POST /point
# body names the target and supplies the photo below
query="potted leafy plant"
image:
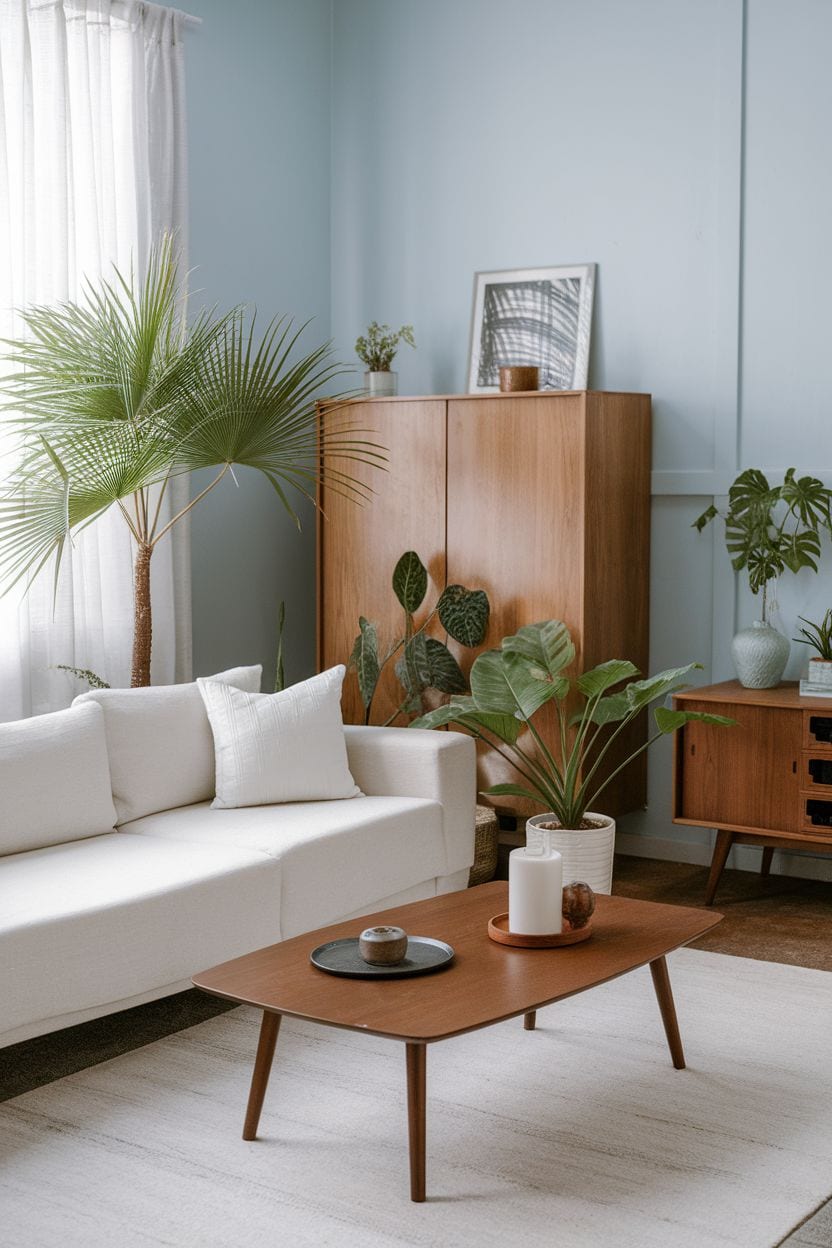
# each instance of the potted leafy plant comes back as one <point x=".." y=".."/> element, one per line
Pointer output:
<point x="510" y="685"/>
<point x="115" y="397"/>
<point x="819" y="637"/>
<point x="377" y="349"/>
<point x="423" y="662"/>
<point x="770" y="529"/>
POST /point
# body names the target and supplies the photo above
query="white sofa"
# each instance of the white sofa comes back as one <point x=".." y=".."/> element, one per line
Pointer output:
<point x="118" y="882"/>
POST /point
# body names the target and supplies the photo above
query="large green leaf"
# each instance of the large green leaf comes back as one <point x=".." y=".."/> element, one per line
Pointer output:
<point x="609" y="710"/>
<point x="445" y="673"/>
<point x="489" y="685"/>
<point x="668" y="720"/>
<point x="410" y="581"/>
<point x="462" y="711"/>
<point x="642" y="692"/>
<point x="547" y="644"/>
<point x="464" y="614"/>
<point x="604" y="676"/>
<point x="364" y="659"/>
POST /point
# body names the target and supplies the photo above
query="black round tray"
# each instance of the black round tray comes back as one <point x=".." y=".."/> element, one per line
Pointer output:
<point x="341" y="957"/>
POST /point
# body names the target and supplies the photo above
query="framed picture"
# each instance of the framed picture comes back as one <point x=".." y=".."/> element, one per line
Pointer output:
<point x="532" y="316"/>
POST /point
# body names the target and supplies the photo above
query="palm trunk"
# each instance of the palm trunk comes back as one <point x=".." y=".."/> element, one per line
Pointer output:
<point x="142" y="631"/>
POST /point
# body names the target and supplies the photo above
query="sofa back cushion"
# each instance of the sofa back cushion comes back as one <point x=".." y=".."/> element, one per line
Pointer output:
<point x="279" y="747"/>
<point x="160" y="744"/>
<point x="54" y="780"/>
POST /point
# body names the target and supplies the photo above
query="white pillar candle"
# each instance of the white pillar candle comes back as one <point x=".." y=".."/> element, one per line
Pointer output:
<point x="535" y="892"/>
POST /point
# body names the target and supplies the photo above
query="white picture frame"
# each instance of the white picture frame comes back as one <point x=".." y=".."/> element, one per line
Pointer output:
<point x="539" y="317"/>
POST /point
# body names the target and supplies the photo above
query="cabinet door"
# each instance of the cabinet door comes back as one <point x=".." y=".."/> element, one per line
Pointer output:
<point x="746" y="776"/>
<point x="359" y="545"/>
<point x="516" y="525"/>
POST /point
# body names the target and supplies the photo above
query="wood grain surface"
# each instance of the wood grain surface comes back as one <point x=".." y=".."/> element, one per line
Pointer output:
<point x="485" y="983"/>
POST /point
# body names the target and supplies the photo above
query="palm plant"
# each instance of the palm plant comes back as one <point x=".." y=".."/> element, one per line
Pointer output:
<point x="115" y="396"/>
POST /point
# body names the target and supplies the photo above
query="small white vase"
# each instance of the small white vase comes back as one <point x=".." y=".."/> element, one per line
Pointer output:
<point x="587" y="852"/>
<point x="381" y="384"/>
<point x="760" y="655"/>
<point x="820" y="673"/>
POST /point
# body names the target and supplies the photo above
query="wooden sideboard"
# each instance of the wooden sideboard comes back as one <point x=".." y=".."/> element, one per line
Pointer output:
<point x="542" y="499"/>
<point x="766" y="781"/>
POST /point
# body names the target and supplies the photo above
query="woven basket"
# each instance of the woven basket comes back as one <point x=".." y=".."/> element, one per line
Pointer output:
<point x="485" y="847"/>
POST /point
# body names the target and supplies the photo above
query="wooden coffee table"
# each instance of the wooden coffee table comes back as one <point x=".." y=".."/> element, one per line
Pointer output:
<point x="486" y="983"/>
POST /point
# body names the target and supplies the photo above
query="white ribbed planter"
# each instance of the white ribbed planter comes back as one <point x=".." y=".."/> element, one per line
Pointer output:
<point x="587" y="853"/>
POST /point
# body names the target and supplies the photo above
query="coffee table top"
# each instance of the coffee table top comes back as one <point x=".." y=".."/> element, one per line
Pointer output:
<point x="484" y="984"/>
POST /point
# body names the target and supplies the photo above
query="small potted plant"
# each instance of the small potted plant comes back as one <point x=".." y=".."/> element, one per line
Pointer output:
<point x="770" y="529"/>
<point x="377" y="349"/>
<point x="508" y="687"/>
<point x="819" y="637"/>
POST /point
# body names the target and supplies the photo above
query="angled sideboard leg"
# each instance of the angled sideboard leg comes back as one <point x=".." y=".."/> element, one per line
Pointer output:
<point x="722" y="848"/>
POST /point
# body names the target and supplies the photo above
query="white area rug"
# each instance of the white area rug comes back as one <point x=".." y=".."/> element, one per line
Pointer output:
<point x="579" y="1135"/>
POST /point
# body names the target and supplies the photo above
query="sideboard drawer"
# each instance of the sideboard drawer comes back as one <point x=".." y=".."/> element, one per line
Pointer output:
<point x="817" y="731"/>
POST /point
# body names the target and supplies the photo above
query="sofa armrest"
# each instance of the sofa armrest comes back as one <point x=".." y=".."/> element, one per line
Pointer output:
<point x="419" y="762"/>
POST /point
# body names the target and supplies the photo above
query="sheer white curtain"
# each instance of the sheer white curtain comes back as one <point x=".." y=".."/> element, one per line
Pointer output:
<point x="92" y="168"/>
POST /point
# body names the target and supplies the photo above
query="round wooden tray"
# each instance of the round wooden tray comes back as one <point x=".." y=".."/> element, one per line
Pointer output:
<point x="498" y="930"/>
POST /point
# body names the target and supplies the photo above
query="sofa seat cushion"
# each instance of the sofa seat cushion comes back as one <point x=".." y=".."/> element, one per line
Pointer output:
<point x="54" y="780"/>
<point x="336" y="857"/>
<point x="160" y="744"/>
<point x="98" y="921"/>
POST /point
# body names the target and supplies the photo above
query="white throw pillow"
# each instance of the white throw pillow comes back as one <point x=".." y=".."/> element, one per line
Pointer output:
<point x="54" y="780"/>
<point x="160" y="745"/>
<point x="279" y="747"/>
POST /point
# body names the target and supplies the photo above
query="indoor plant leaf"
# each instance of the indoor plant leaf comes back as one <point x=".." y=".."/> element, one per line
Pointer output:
<point x="605" y="675"/>
<point x="464" y="614"/>
<point x="410" y="581"/>
<point x="445" y="673"/>
<point x="364" y="659"/>
<point x="548" y="644"/>
<point x="642" y="692"/>
<point x="668" y="720"/>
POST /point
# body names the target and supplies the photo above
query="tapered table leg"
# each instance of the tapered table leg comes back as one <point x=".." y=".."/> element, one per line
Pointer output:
<point x="768" y="854"/>
<point x="722" y="848"/>
<point x="664" y="996"/>
<point x="416" y="1106"/>
<point x="529" y="1020"/>
<point x="269" y="1028"/>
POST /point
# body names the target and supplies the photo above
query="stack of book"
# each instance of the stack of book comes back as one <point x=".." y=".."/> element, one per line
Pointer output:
<point x="810" y="690"/>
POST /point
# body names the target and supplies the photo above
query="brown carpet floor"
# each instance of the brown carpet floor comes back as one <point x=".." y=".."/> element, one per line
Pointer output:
<point x="778" y="919"/>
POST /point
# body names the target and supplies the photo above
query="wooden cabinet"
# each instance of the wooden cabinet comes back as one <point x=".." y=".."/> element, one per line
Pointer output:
<point x="542" y="499"/>
<point x="766" y="781"/>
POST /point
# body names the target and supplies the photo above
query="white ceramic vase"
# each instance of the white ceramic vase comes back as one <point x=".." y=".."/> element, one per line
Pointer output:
<point x="760" y="655"/>
<point x="587" y="853"/>
<point x="381" y="384"/>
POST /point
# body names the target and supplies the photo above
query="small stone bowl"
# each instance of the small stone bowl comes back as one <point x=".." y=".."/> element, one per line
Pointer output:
<point x="383" y="946"/>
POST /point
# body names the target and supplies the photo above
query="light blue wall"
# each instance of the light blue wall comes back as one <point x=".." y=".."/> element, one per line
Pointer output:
<point x="362" y="159"/>
<point x="258" y="78"/>
<point x="680" y="144"/>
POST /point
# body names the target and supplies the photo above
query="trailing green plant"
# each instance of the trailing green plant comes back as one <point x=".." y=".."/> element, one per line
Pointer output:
<point x="84" y="673"/>
<point x="773" y="528"/>
<point x="377" y="348"/>
<point x="423" y="662"/>
<point x="116" y="395"/>
<point x="818" y="636"/>
<point x="510" y="685"/>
